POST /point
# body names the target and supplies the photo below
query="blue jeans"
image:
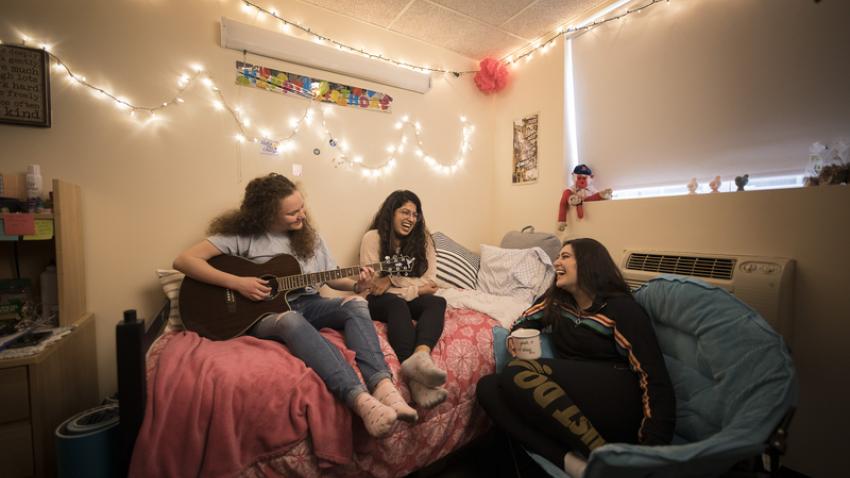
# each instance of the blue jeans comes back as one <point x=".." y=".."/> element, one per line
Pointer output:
<point x="299" y="330"/>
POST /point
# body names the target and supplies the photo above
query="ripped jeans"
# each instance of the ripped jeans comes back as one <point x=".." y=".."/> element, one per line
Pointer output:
<point x="299" y="328"/>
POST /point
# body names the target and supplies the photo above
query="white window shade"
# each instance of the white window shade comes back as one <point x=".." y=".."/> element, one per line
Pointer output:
<point x="243" y="37"/>
<point x="704" y="88"/>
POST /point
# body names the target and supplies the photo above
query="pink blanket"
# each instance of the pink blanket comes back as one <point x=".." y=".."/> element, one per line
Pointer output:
<point x="215" y="408"/>
<point x="243" y="407"/>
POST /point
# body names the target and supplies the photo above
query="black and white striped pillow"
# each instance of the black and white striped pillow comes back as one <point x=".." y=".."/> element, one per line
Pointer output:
<point x="457" y="266"/>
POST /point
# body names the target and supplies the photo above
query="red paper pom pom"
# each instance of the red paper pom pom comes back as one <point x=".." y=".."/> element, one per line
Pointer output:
<point x="492" y="77"/>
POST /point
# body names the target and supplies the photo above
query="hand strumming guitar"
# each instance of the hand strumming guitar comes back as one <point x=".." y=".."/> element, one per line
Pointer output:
<point x="252" y="288"/>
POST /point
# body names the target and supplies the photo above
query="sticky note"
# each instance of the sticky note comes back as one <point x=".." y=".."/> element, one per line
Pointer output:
<point x="3" y="235"/>
<point x="19" y="224"/>
<point x="43" y="230"/>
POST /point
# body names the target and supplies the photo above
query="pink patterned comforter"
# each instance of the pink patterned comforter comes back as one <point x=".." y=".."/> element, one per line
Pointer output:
<point x="465" y="351"/>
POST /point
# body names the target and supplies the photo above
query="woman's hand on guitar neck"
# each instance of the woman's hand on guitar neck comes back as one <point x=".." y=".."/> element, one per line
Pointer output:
<point x="252" y="288"/>
<point x="364" y="281"/>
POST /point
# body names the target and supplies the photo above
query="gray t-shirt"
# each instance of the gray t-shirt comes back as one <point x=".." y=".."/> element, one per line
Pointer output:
<point x="262" y="248"/>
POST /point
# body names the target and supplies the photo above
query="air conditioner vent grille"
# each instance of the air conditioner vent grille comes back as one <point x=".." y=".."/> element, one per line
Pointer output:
<point x="710" y="267"/>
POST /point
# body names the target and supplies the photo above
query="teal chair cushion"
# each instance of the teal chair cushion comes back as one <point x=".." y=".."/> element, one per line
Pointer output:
<point x="733" y="378"/>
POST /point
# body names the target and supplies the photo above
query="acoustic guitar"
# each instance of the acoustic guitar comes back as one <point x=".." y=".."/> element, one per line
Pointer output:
<point x="218" y="313"/>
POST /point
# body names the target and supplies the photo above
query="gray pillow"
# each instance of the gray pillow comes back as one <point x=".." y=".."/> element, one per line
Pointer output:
<point x="527" y="238"/>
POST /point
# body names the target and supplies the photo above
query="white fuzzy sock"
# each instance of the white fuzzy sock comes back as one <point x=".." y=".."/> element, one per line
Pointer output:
<point x="421" y="368"/>
<point x="388" y="394"/>
<point x="378" y="418"/>
<point x="427" y="397"/>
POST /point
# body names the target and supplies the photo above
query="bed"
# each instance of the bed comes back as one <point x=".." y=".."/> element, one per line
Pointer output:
<point x="247" y="407"/>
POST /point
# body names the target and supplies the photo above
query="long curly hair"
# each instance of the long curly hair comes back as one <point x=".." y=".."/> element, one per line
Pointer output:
<point x="260" y="208"/>
<point x="598" y="276"/>
<point x="413" y="244"/>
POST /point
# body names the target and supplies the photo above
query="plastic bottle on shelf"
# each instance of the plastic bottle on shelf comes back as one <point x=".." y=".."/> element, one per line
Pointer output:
<point x="34" y="185"/>
<point x="49" y="293"/>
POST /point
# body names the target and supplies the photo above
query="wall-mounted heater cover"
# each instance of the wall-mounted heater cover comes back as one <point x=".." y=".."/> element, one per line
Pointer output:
<point x="764" y="283"/>
<point x="243" y="37"/>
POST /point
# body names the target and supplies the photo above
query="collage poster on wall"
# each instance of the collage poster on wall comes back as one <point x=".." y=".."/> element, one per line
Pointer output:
<point x="299" y="85"/>
<point x="525" y="150"/>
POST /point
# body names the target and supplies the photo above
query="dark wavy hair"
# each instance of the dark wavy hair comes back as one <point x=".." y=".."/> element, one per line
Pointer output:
<point x="598" y="276"/>
<point x="259" y="209"/>
<point x="413" y="244"/>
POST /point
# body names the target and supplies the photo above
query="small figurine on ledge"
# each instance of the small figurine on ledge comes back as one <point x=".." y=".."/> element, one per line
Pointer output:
<point x="693" y="185"/>
<point x="715" y="184"/>
<point x="580" y="192"/>
<point x="742" y="181"/>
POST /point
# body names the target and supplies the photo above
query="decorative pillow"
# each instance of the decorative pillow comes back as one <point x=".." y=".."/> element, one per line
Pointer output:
<point x="527" y="238"/>
<point x="523" y="274"/>
<point x="457" y="266"/>
<point x="171" y="280"/>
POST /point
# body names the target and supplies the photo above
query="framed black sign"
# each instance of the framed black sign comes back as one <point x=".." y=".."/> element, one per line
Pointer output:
<point x="24" y="86"/>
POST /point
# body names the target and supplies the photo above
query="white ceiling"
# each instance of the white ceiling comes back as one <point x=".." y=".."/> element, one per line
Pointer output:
<point x="473" y="28"/>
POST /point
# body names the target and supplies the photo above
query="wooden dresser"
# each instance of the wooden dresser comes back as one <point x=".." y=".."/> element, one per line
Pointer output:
<point x="38" y="393"/>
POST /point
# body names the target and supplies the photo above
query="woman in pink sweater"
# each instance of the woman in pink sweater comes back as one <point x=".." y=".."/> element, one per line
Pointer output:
<point x="399" y="228"/>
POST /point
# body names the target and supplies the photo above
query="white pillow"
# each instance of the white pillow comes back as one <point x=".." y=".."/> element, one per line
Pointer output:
<point x="524" y="274"/>
<point x="171" y="280"/>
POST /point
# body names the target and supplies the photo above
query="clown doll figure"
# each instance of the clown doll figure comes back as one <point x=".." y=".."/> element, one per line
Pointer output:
<point x="580" y="192"/>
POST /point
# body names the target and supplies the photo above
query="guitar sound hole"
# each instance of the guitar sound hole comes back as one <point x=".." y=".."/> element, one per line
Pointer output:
<point x="272" y="282"/>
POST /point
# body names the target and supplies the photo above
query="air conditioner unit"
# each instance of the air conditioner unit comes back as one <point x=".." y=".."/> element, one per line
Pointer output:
<point x="763" y="283"/>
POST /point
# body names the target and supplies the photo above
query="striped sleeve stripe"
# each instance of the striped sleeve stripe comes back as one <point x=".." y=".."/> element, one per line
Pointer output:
<point x="643" y="378"/>
<point x="533" y="309"/>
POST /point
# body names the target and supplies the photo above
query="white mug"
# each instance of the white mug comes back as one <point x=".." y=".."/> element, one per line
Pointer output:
<point x="524" y="344"/>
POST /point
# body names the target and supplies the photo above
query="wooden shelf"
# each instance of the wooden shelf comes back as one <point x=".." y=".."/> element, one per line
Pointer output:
<point x="39" y="392"/>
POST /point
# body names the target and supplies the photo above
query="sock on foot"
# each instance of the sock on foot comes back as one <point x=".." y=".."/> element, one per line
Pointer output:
<point x="387" y="393"/>
<point x="377" y="417"/>
<point x="427" y="397"/>
<point x="574" y="465"/>
<point x="421" y="368"/>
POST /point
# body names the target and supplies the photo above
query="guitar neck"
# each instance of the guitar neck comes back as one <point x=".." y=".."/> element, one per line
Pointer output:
<point x="303" y="280"/>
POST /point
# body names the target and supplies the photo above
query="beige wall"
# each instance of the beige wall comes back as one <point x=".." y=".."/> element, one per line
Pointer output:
<point x="149" y="191"/>
<point x="536" y="86"/>
<point x="808" y="225"/>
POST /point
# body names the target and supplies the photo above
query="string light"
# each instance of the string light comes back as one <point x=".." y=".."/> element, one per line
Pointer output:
<point x="287" y="25"/>
<point x="287" y="143"/>
<point x="528" y="51"/>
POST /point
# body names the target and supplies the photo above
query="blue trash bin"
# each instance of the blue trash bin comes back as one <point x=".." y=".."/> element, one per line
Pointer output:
<point x="87" y="444"/>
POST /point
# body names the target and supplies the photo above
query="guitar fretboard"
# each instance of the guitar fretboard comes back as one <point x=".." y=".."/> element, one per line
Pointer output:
<point x="303" y="280"/>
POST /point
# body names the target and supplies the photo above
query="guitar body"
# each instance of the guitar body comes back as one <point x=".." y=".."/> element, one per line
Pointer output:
<point x="220" y="314"/>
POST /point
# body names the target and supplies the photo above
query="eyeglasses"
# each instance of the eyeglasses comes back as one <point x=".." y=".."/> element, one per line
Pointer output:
<point x="409" y="214"/>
